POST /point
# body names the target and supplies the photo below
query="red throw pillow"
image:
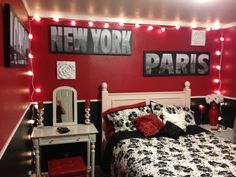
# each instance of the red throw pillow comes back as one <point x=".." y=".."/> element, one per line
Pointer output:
<point x="109" y="128"/>
<point x="148" y="125"/>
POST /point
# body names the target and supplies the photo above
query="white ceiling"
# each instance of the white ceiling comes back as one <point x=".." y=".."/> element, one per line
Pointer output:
<point x="162" y="12"/>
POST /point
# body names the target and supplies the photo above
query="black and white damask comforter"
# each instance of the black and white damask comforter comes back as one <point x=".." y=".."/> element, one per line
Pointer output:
<point x="199" y="155"/>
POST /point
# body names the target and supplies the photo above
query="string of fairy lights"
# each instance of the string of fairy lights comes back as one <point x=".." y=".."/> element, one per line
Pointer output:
<point x="31" y="71"/>
<point x="219" y="53"/>
<point x="215" y="26"/>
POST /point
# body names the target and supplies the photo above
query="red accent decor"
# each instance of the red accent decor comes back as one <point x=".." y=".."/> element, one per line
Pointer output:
<point x="109" y="129"/>
<point x="87" y="103"/>
<point x="202" y="109"/>
<point x="149" y="125"/>
<point x="213" y="114"/>
<point x="40" y="105"/>
<point x="67" y="167"/>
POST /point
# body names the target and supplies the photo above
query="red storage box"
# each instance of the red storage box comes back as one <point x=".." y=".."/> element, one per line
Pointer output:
<point x="67" y="167"/>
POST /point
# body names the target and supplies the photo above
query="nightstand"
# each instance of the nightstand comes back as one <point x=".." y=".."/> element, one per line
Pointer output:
<point x="226" y="134"/>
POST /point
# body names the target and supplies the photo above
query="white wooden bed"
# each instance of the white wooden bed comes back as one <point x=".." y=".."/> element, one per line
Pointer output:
<point x="111" y="100"/>
<point x="196" y="152"/>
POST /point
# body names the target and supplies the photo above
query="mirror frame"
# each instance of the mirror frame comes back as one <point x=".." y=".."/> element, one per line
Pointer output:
<point x="75" y="121"/>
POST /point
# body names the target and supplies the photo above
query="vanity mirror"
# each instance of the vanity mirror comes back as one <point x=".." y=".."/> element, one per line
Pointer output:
<point x="64" y="106"/>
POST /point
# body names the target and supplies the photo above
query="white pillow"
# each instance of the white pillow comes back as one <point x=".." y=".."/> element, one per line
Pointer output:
<point x="177" y="119"/>
<point x="159" y="108"/>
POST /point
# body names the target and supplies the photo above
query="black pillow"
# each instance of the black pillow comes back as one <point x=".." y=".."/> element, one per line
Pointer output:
<point x="171" y="130"/>
<point x="194" y="129"/>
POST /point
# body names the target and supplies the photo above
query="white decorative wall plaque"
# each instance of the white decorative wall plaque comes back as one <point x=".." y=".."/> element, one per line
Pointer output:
<point x="198" y="38"/>
<point x="66" y="70"/>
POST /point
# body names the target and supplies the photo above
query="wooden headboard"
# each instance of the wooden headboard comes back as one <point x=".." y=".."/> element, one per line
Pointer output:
<point x="110" y="100"/>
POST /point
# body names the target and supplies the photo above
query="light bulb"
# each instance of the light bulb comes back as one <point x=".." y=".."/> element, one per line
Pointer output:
<point x="177" y="27"/>
<point x="216" y="25"/>
<point x="137" y="25"/>
<point x="30" y="56"/>
<point x="163" y="29"/>
<point x="217" y="92"/>
<point x="121" y="24"/>
<point x="218" y="67"/>
<point x="30" y="36"/>
<point x="31" y="121"/>
<point x="106" y="25"/>
<point x="218" y="52"/>
<point x="90" y="23"/>
<point x="222" y="39"/>
<point x="208" y="28"/>
<point x="220" y="118"/>
<point x="56" y="19"/>
<point x="36" y="18"/>
<point x="38" y="90"/>
<point x="30" y="73"/>
<point x="150" y="28"/>
<point x="216" y="80"/>
<point x="193" y="25"/>
<point x="200" y="106"/>
<point x="73" y="23"/>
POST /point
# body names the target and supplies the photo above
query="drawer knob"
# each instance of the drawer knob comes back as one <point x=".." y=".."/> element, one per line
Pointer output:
<point x="77" y="139"/>
<point x="50" y="141"/>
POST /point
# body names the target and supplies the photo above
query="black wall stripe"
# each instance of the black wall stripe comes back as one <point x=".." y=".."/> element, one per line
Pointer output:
<point x="17" y="159"/>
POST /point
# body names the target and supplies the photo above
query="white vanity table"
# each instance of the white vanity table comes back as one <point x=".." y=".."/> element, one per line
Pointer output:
<point x="48" y="135"/>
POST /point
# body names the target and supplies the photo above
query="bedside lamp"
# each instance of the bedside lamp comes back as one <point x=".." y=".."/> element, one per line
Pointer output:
<point x="202" y="109"/>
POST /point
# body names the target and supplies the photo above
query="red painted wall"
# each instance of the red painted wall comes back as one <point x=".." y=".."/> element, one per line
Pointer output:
<point x="229" y="63"/>
<point x="122" y="73"/>
<point x="15" y="85"/>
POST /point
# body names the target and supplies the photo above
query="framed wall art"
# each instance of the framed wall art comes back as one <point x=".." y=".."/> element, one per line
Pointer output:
<point x="171" y="63"/>
<point x="16" y="40"/>
<point x="84" y="40"/>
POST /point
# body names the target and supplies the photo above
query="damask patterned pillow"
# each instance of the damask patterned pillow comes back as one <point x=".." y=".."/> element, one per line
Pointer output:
<point x="189" y="116"/>
<point x="157" y="109"/>
<point x="108" y="125"/>
<point x="172" y="109"/>
<point x="122" y="120"/>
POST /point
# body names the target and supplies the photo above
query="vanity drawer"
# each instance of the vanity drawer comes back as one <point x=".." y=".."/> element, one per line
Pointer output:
<point x="63" y="140"/>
